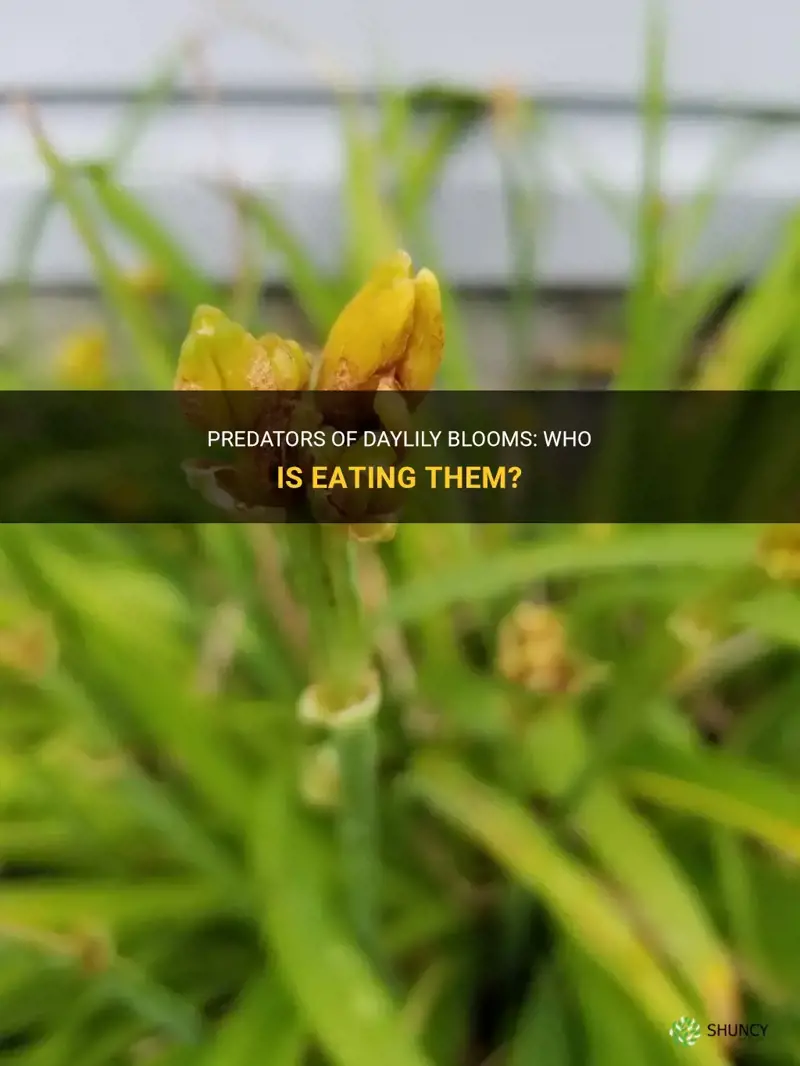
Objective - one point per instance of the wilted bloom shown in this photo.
(778, 552)
(391, 334)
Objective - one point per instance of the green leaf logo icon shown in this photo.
(686, 1032)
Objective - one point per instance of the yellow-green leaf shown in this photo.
(586, 911)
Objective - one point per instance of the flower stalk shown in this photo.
(352, 727)
(357, 749)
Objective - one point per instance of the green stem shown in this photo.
(356, 741)
(358, 831)
(347, 654)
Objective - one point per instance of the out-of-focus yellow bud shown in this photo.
(28, 645)
(506, 111)
(778, 552)
(146, 281)
(82, 360)
(219, 356)
(391, 332)
(532, 648)
(533, 651)
(597, 357)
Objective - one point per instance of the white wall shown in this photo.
(581, 58)
(729, 52)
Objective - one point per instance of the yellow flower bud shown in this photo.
(391, 332)
(418, 369)
(221, 357)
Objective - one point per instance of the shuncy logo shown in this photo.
(685, 1031)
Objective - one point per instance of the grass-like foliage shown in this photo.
(471, 797)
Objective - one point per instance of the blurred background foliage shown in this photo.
(585, 821)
